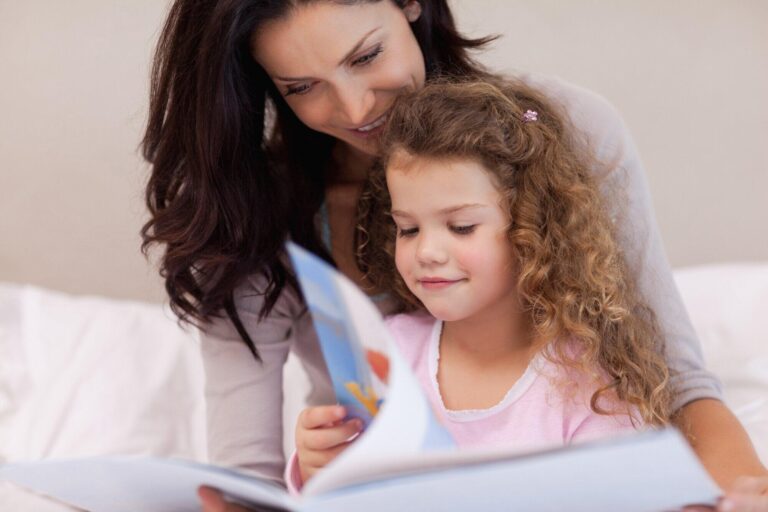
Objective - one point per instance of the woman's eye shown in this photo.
(299, 89)
(368, 57)
(463, 230)
(403, 233)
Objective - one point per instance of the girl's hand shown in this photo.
(321, 435)
(747, 494)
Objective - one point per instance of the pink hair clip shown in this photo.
(530, 116)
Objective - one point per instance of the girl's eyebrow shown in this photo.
(449, 209)
(349, 54)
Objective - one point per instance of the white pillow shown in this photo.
(89, 375)
(728, 306)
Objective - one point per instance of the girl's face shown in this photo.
(340, 67)
(452, 247)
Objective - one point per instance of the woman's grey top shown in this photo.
(245, 396)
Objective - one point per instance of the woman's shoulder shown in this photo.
(249, 300)
(585, 108)
(593, 118)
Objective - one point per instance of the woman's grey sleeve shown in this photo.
(244, 396)
(626, 190)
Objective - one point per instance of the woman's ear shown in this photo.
(412, 10)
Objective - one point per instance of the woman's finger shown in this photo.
(755, 485)
(743, 503)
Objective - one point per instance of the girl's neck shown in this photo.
(502, 332)
(481, 359)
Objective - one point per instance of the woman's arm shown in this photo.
(244, 396)
(714, 432)
(720, 441)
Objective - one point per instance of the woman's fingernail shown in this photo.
(727, 505)
(340, 412)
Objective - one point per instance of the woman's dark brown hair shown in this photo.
(224, 194)
(573, 281)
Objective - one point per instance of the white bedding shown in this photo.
(90, 375)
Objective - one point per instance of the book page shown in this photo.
(646, 472)
(350, 327)
(146, 484)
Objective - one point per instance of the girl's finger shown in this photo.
(329, 437)
(319, 459)
(314, 417)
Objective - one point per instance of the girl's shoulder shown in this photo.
(410, 324)
(411, 331)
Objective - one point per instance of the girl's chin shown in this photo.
(445, 314)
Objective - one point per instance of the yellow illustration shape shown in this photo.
(367, 398)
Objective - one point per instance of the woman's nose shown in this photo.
(355, 102)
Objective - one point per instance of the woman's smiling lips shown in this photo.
(437, 283)
(372, 128)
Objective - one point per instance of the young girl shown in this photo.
(520, 318)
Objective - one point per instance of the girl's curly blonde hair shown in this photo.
(573, 280)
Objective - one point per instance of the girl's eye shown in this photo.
(463, 230)
(368, 57)
(299, 89)
(403, 233)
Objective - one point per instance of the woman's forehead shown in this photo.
(318, 35)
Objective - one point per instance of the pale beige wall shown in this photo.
(689, 76)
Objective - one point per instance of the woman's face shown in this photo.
(340, 67)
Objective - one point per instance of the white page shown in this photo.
(648, 473)
(131, 484)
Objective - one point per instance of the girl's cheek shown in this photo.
(400, 260)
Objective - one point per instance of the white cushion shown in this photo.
(89, 375)
(728, 305)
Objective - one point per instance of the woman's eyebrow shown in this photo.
(349, 54)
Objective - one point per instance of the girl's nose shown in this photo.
(429, 251)
(355, 102)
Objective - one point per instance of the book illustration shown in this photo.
(355, 384)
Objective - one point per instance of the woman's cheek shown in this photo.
(397, 75)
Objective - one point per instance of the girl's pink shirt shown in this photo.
(534, 414)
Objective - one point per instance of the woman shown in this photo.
(263, 124)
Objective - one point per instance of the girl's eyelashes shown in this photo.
(463, 230)
(459, 230)
(368, 57)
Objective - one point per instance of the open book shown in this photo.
(404, 460)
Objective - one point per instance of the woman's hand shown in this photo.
(746, 494)
(213, 501)
(321, 435)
